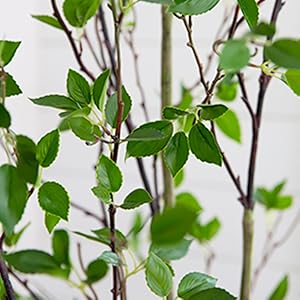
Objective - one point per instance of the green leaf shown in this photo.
(96, 270)
(193, 283)
(227, 89)
(47, 148)
(159, 1)
(13, 197)
(213, 294)
(111, 108)
(78, 88)
(27, 164)
(172, 113)
(60, 247)
(78, 12)
(234, 56)
(265, 29)
(35, 261)
(189, 201)
(229, 124)
(102, 194)
(212, 111)
(204, 145)
(136, 198)
(100, 88)
(54, 199)
(250, 12)
(281, 290)
(205, 233)
(186, 98)
(56, 101)
(189, 122)
(51, 221)
(108, 174)
(176, 153)
(50, 20)
(83, 128)
(7, 51)
(158, 276)
(110, 258)
(145, 146)
(172, 225)
(11, 87)
(285, 53)
(172, 252)
(293, 80)
(5, 119)
(178, 179)
(104, 236)
(13, 239)
(193, 7)
(145, 134)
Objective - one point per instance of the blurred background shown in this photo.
(40, 67)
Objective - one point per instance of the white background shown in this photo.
(40, 67)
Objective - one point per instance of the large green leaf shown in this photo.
(250, 12)
(203, 145)
(49, 20)
(56, 101)
(193, 283)
(7, 51)
(176, 153)
(13, 197)
(158, 276)
(100, 88)
(60, 247)
(213, 294)
(136, 198)
(54, 199)
(293, 80)
(212, 111)
(11, 87)
(47, 148)
(96, 270)
(145, 146)
(285, 53)
(5, 119)
(281, 290)
(193, 7)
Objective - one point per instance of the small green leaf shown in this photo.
(265, 29)
(205, 233)
(178, 179)
(227, 89)
(60, 248)
(145, 146)
(293, 80)
(213, 294)
(172, 113)
(102, 194)
(108, 174)
(100, 88)
(111, 108)
(136, 198)
(159, 1)
(54, 199)
(204, 146)
(193, 7)
(27, 164)
(56, 101)
(82, 128)
(234, 56)
(193, 283)
(78, 88)
(51, 221)
(110, 258)
(250, 12)
(7, 51)
(176, 153)
(186, 98)
(158, 276)
(47, 148)
(104, 236)
(229, 124)
(96, 270)
(285, 53)
(212, 111)
(281, 290)
(5, 119)
(12, 240)
(11, 87)
(50, 20)
(189, 201)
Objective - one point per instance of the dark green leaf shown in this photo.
(7, 51)
(204, 146)
(145, 134)
(213, 294)
(5, 119)
(47, 148)
(189, 201)
(82, 128)
(78, 88)
(50, 20)
(229, 124)
(56, 101)
(111, 108)
(265, 29)
(172, 113)
(27, 164)
(159, 1)
(102, 194)
(281, 290)
(193, 7)
(96, 270)
(204, 233)
(110, 258)
(234, 56)
(51, 221)
(212, 111)
(250, 12)
(293, 80)
(176, 153)
(136, 198)
(11, 87)
(60, 247)
(104, 236)
(146, 146)
(158, 276)
(100, 88)
(54, 199)
(178, 179)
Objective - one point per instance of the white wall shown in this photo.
(40, 67)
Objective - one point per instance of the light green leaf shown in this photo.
(60, 247)
(7, 51)
(110, 258)
(281, 290)
(56, 101)
(229, 124)
(158, 276)
(12, 239)
(47, 148)
(189, 201)
(136, 198)
(265, 29)
(159, 1)
(227, 89)
(178, 179)
(203, 145)
(186, 98)
(100, 89)
(250, 11)
(54, 199)
(102, 194)
(50, 20)
(83, 128)
(212, 111)
(11, 87)
(5, 119)
(51, 221)
(213, 294)
(172, 113)
(96, 270)
(293, 80)
(205, 233)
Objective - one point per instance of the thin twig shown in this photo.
(88, 213)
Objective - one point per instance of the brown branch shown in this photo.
(87, 39)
